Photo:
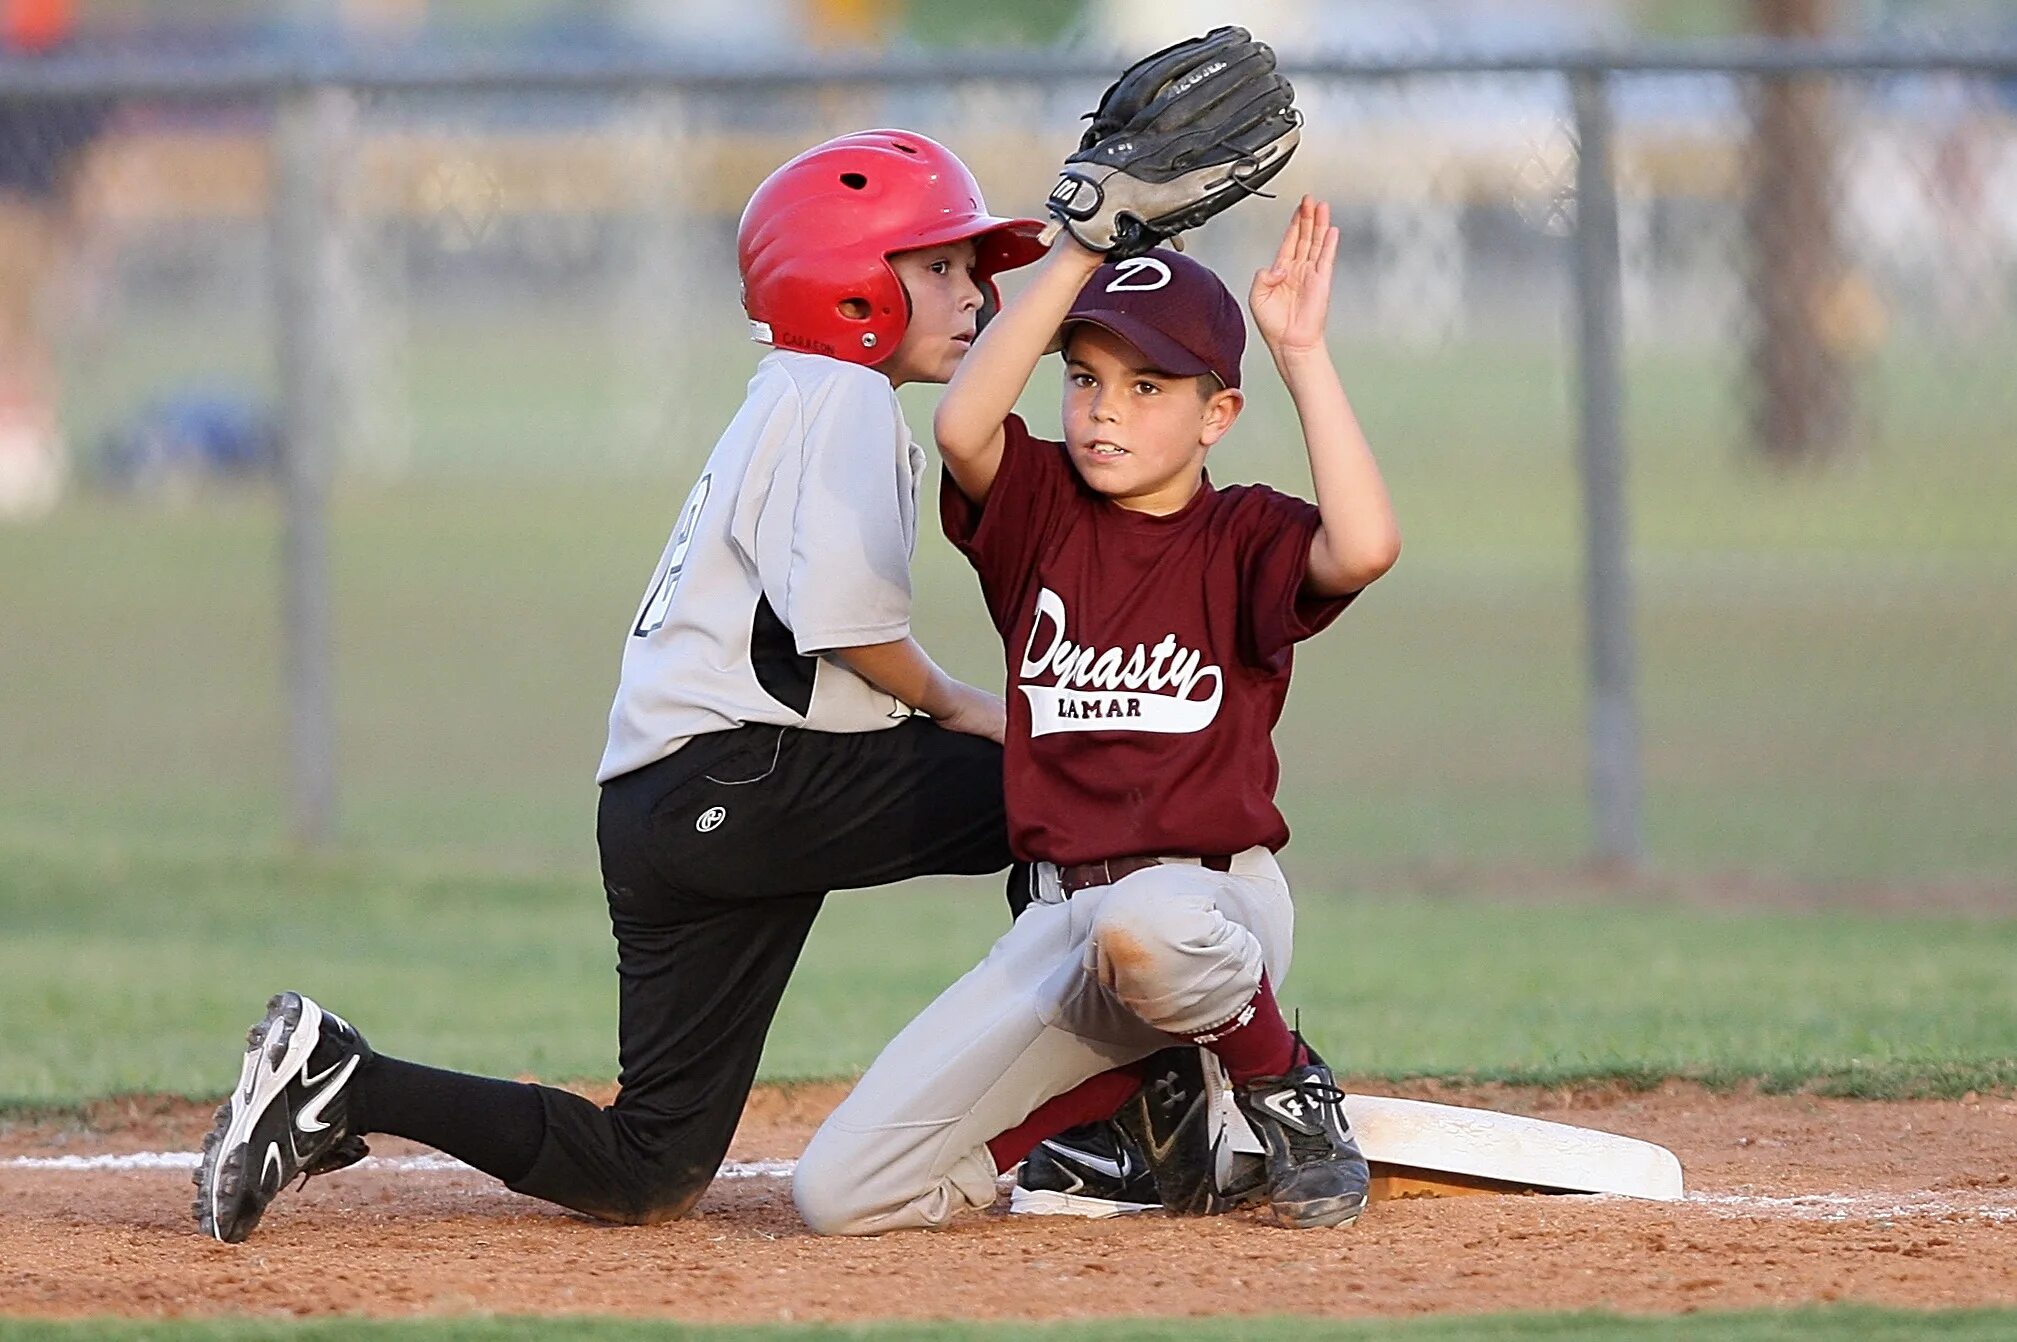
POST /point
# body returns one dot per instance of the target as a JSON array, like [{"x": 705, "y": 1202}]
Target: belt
[{"x": 1088, "y": 874}]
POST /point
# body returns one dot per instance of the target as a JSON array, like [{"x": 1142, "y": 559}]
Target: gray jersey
[{"x": 796, "y": 540}]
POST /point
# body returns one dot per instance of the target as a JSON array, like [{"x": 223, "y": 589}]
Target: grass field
[
  {"x": 1875, "y": 1325},
  {"x": 161, "y": 962},
  {"x": 1843, "y": 720},
  {"x": 1825, "y": 659}
]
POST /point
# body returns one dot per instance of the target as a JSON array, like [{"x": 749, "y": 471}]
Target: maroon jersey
[{"x": 1148, "y": 657}]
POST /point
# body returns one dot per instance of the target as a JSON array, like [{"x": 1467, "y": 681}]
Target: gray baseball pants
[{"x": 1077, "y": 986}]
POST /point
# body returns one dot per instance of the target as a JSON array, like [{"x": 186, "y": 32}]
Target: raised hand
[{"x": 1292, "y": 297}]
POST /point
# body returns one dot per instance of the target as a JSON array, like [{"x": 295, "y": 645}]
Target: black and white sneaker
[
  {"x": 1316, "y": 1175},
  {"x": 1092, "y": 1171},
  {"x": 289, "y": 1116}
]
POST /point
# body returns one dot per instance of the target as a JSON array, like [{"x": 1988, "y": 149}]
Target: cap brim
[{"x": 1164, "y": 355}]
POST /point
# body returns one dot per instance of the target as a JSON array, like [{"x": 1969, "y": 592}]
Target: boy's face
[
  {"x": 1136, "y": 434},
  {"x": 945, "y": 302}
]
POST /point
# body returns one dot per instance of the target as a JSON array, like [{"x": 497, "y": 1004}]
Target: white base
[{"x": 1528, "y": 1151}]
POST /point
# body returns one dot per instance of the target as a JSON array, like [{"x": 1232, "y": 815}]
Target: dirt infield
[{"x": 1793, "y": 1200}]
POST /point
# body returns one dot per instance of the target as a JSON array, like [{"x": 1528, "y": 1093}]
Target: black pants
[{"x": 715, "y": 861}]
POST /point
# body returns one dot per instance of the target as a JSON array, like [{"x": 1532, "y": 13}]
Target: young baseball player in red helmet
[
  {"x": 777, "y": 732},
  {"x": 1149, "y": 618}
]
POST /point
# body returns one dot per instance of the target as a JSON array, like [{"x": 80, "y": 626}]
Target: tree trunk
[{"x": 1800, "y": 375}]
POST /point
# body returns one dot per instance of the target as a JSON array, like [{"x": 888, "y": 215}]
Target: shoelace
[
  {"x": 1309, "y": 1088},
  {"x": 1252, "y": 164},
  {"x": 1318, "y": 1093}
]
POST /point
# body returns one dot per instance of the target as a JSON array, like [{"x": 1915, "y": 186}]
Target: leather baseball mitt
[{"x": 1180, "y": 136}]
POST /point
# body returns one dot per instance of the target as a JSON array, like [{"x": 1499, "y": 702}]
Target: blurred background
[{"x": 498, "y": 322}]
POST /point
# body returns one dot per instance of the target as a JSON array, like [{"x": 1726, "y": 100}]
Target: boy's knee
[
  {"x": 1175, "y": 962},
  {"x": 617, "y": 1167},
  {"x": 643, "y": 1200},
  {"x": 854, "y": 1183},
  {"x": 1129, "y": 944},
  {"x": 827, "y": 1188},
  {"x": 668, "y": 1195}
]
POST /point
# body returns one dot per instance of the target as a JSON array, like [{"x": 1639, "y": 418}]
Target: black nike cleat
[
  {"x": 1092, "y": 1171},
  {"x": 1316, "y": 1175},
  {"x": 289, "y": 1116}
]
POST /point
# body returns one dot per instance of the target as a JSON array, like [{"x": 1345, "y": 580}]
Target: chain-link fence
[{"x": 482, "y": 325}]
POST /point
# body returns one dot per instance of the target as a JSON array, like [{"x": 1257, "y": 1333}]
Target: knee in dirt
[
  {"x": 668, "y": 1204},
  {"x": 827, "y": 1186},
  {"x": 659, "y": 1196}
]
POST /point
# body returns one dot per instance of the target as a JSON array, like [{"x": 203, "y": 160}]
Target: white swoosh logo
[
  {"x": 271, "y": 1163},
  {"x": 1113, "y": 1169},
  {"x": 317, "y": 1078},
  {"x": 309, "y": 1120}
]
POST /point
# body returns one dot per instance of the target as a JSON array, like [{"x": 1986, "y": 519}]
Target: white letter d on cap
[{"x": 1137, "y": 275}]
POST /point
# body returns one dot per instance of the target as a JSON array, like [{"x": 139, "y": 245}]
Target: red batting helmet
[{"x": 820, "y": 230}]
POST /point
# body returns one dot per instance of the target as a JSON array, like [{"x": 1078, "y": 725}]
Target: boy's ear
[{"x": 1221, "y": 409}]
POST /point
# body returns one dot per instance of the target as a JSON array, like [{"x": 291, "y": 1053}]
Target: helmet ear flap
[
  {"x": 902, "y": 291},
  {"x": 990, "y": 305},
  {"x": 889, "y": 315}
]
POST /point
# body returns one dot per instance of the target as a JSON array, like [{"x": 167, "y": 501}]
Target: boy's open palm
[{"x": 1292, "y": 297}]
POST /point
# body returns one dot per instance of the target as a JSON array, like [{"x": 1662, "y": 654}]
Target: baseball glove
[{"x": 1180, "y": 136}]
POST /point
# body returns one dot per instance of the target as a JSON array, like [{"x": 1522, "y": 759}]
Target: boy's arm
[
  {"x": 903, "y": 670},
  {"x": 968, "y": 423},
  {"x": 831, "y": 545},
  {"x": 1358, "y": 539}
]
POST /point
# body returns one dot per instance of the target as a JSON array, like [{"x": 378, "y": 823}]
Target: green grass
[
  {"x": 1825, "y": 658},
  {"x": 125, "y": 971},
  {"x": 1844, "y": 721},
  {"x": 1878, "y": 1325}
]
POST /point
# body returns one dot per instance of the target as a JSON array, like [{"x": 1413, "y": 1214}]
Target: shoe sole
[
  {"x": 1049, "y": 1202},
  {"x": 1318, "y": 1213},
  {"x": 276, "y": 1049}
]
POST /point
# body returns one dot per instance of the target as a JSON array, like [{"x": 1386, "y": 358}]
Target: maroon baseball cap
[{"x": 1175, "y": 311}]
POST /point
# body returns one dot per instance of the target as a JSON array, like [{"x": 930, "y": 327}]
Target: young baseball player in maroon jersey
[
  {"x": 777, "y": 733},
  {"x": 1148, "y": 618}
]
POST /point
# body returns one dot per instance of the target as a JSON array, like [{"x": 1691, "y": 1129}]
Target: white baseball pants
[{"x": 1075, "y": 987}]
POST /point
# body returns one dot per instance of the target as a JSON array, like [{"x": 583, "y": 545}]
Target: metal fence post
[
  {"x": 307, "y": 261},
  {"x": 1615, "y": 784}
]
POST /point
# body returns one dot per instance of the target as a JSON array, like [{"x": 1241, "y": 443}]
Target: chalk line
[
  {"x": 1976, "y": 1204},
  {"x": 188, "y": 1160}
]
